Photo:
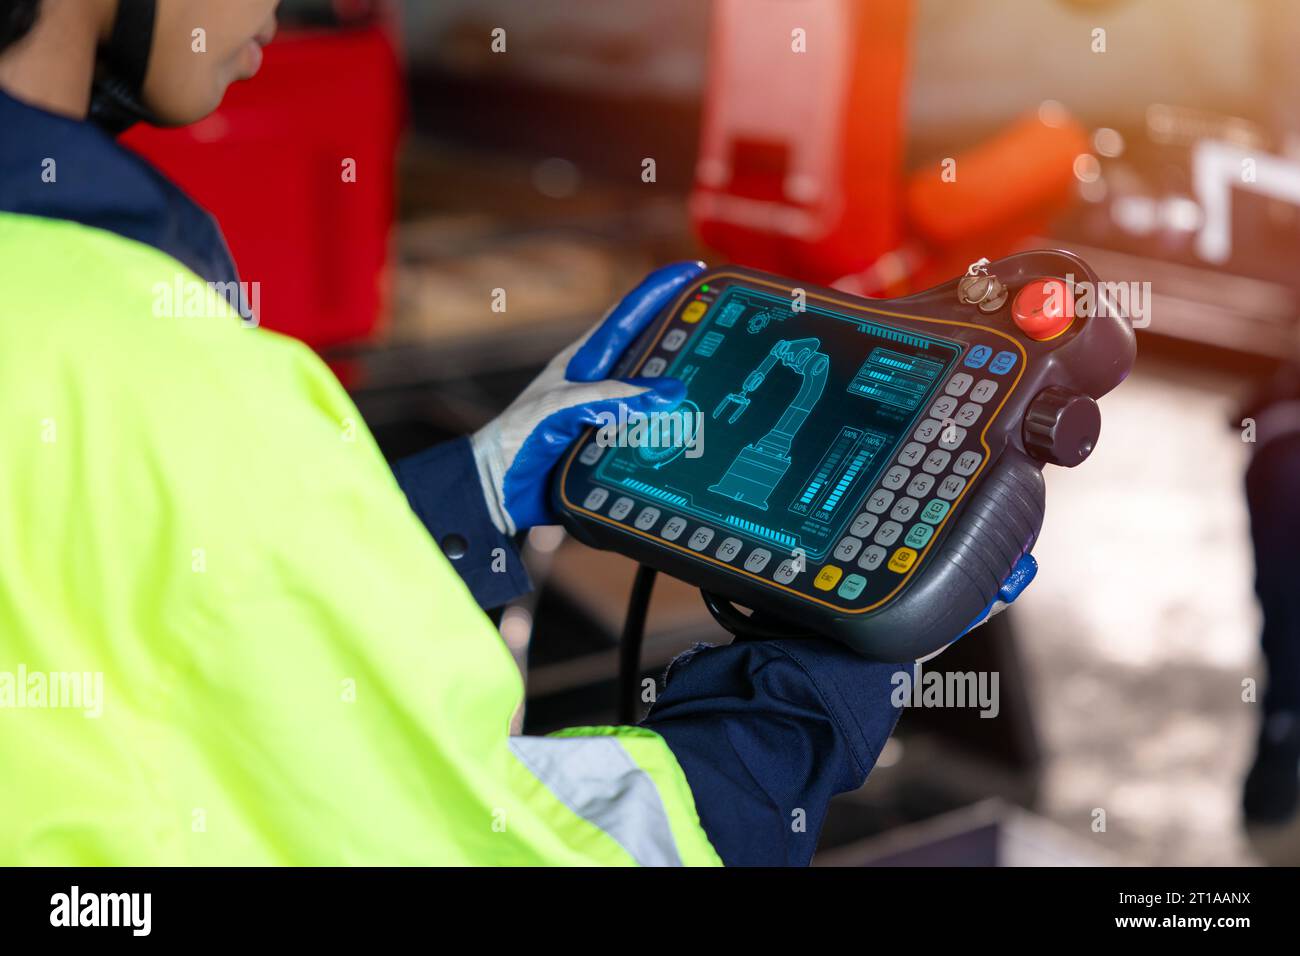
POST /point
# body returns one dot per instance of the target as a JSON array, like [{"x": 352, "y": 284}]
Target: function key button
[
  {"x": 872, "y": 557},
  {"x": 729, "y": 549},
  {"x": 919, "y": 536},
  {"x": 895, "y": 478},
  {"x": 967, "y": 462},
  {"x": 848, "y": 548},
  {"x": 977, "y": 356},
  {"x": 934, "y": 512},
  {"x": 888, "y": 533},
  {"x": 958, "y": 384},
  {"x": 595, "y": 498},
  {"x": 786, "y": 572},
  {"x": 852, "y": 587},
  {"x": 903, "y": 559},
  {"x": 647, "y": 518},
  {"x": 673, "y": 340},
  {"x": 694, "y": 312},
  {"x": 968, "y": 414},
  {"x": 1002, "y": 363},
  {"x": 621, "y": 508},
  {"x": 880, "y": 501},
  {"x": 757, "y": 560},
  {"x": 985, "y": 390},
  {"x": 937, "y": 461},
  {"x": 591, "y": 454},
  {"x": 654, "y": 368},
  {"x": 920, "y": 486},
  {"x": 927, "y": 430},
  {"x": 905, "y": 508},
  {"x": 700, "y": 539},
  {"x": 951, "y": 487},
  {"x": 943, "y": 407},
  {"x": 952, "y": 437},
  {"x": 863, "y": 524},
  {"x": 673, "y": 528},
  {"x": 911, "y": 454},
  {"x": 827, "y": 577}
]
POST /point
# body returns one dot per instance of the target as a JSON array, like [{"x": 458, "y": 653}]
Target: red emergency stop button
[{"x": 1043, "y": 309}]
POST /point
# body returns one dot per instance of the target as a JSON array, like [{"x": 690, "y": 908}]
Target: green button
[
  {"x": 919, "y": 536},
  {"x": 934, "y": 511},
  {"x": 852, "y": 586}
]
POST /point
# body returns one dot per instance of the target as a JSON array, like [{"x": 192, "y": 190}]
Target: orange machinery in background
[{"x": 801, "y": 165}]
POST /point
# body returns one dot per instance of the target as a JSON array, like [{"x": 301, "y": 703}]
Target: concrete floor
[{"x": 1142, "y": 626}]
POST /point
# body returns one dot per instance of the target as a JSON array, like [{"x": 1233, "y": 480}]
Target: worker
[{"x": 282, "y": 634}]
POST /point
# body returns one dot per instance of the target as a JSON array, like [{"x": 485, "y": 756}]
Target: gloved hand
[
  {"x": 516, "y": 451},
  {"x": 1019, "y": 578}
]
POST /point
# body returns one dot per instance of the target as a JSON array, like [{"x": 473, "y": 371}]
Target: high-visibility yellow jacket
[{"x": 224, "y": 636}]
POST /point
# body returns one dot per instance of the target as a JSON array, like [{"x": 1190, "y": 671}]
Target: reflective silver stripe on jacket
[{"x": 599, "y": 781}]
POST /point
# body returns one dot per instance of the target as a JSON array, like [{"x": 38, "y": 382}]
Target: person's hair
[{"x": 16, "y": 18}]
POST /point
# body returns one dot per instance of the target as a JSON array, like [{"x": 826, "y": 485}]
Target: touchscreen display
[{"x": 791, "y": 416}]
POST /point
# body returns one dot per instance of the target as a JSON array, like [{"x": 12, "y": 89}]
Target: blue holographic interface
[{"x": 789, "y": 418}]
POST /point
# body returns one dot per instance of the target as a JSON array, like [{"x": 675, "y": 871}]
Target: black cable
[
  {"x": 748, "y": 628},
  {"x": 629, "y": 649}
]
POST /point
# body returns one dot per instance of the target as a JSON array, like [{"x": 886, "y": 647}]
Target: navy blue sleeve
[
  {"x": 442, "y": 485},
  {"x": 767, "y": 732}
]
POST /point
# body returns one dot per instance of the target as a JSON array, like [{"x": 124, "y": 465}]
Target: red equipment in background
[
  {"x": 801, "y": 155},
  {"x": 273, "y": 163}
]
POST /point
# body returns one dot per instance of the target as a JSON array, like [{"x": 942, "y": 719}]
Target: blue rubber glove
[
  {"x": 516, "y": 451},
  {"x": 1022, "y": 573}
]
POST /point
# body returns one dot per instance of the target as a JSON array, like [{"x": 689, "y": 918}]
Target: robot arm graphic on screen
[{"x": 760, "y": 466}]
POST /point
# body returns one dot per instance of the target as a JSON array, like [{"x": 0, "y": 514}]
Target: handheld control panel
[{"x": 865, "y": 469}]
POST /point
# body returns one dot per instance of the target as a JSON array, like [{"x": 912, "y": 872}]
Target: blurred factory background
[{"x": 478, "y": 168}]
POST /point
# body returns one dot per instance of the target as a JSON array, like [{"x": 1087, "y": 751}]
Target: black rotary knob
[{"x": 1062, "y": 426}]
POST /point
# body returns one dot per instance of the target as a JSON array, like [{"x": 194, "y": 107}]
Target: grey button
[
  {"x": 591, "y": 454},
  {"x": 729, "y": 549},
  {"x": 920, "y": 486},
  {"x": 937, "y": 461},
  {"x": 912, "y": 453},
  {"x": 872, "y": 557},
  {"x": 647, "y": 518},
  {"x": 785, "y": 572},
  {"x": 863, "y": 524},
  {"x": 888, "y": 533},
  {"x": 654, "y": 368},
  {"x": 951, "y": 487},
  {"x": 621, "y": 508},
  {"x": 985, "y": 390},
  {"x": 943, "y": 407},
  {"x": 968, "y": 414},
  {"x": 673, "y": 340},
  {"x": 905, "y": 508},
  {"x": 673, "y": 528},
  {"x": 927, "y": 430},
  {"x": 880, "y": 501},
  {"x": 958, "y": 384},
  {"x": 952, "y": 437},
  {"x": 700, "y": 539},
  {"x": 967, "y": 462},
  {"x": 595, "y": 498},
  {"x": 757, "y": 560},
  {"x": 848, "y": 548},
  {"x": 895, "y": 478}
]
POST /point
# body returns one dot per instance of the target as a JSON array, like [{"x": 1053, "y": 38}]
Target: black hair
[{"x": 16, "y": 19}]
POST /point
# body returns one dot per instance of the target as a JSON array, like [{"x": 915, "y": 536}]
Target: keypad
[
  {"x": 880, "y": 501},
  {"x": 864, "y": 524},
  {"x": 985, "y": 390},
  {"x": 911, "y": 454},
  {"x": 904, "y": 509},
  {"x": 848, "y": 548},
  {"x": 621, "y": 508},
  {"x": 591, "y": 454},
  {"x": 595, "y": 499},
  {"x": 888, "y": 533},
  {"x": 757, "y": 560},
  {"x": 968, "y": 414},
  {"x": 920, "y": 486},
  {"x": 647, "y": 518},
  {"x": 872, "y": 557},
  {"x": 928, "y": 430},
  {"x": 895, "y": 478},
  {"x": 959, "y": 384}
]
